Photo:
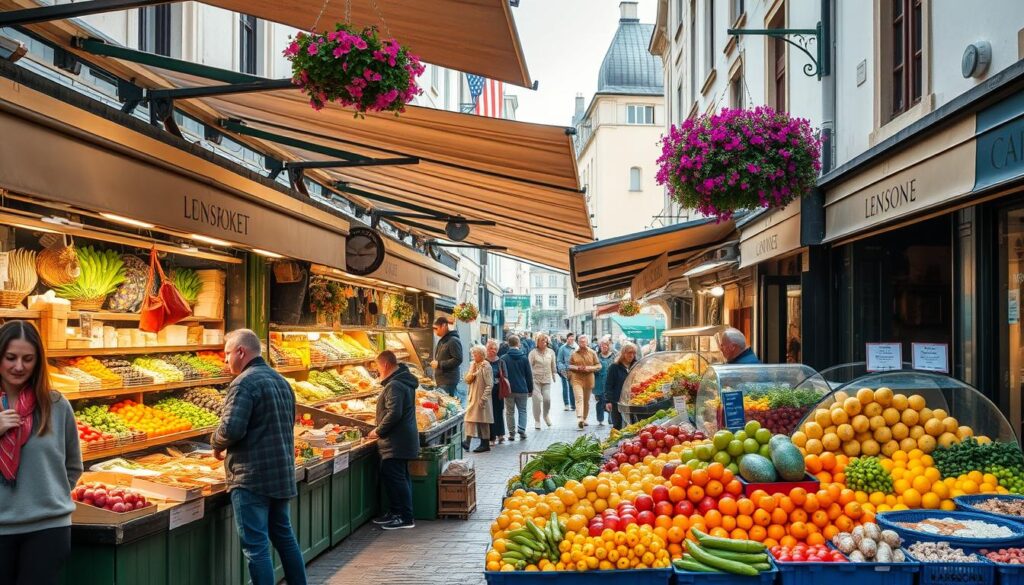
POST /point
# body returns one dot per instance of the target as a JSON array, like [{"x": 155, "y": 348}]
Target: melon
[
  {"x": 757, "y": 469},
  {"x": 789, "y": 462}
]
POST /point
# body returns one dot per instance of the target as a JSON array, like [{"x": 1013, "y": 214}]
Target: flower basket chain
[{"x": 466, "y": 312}]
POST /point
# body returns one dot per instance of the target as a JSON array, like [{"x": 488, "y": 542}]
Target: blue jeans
[
  {"x": 600, "y": 407},
  {"x": 394, "y": 475},
  {"x": 516, "y": 403},
  {"x": 258, "y": 517},
  {"x": 568, "y": 397}
]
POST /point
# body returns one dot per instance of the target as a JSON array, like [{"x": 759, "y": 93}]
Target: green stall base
[{"x": 424, "y": 471}]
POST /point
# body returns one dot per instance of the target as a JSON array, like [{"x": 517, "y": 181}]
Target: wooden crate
[{"x": 456, "y": 496}]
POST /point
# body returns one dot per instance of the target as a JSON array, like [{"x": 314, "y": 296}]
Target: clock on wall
[{"x": 364, "y": 251}]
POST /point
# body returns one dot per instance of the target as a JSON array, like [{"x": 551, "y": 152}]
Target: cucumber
[
  {"x": 527, "y": 542},
  {"x": 749, "y": 558},
  {"x": 556, "y": 528},
  {"x": 537, "y": 534},
  {"x": 740, "y": 546},
  {"x": 693, "y": 566},
  {"x": 513, "y": 556},
  {"x": 719, "y": 563},
  {"x": 762, "y": 567}
]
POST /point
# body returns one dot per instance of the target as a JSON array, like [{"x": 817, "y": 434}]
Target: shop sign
[
  {"x": 935, "y": 172},
  {"x": 653, "y": 276},
  {"x": 771, "y": 236},
  {"x": 407, "y": 267},
  {"x": 341, "y": 462},
  {"x": 884, "y": 356},
  {"x": 1000, "y": 151},
  {"x": 930, "y": 357}
]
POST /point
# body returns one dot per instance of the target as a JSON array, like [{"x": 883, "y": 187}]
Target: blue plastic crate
[
  {"x": 1007, "y": 574},
  {"x": 966, "y": 503},
  {"x": 847, "y": 573},
  {"x": 616, "y": 577},
  {"x": 983, "y": 573},
  {"x": 888, "y": 520},
  {"x": 765, "y": 578}
]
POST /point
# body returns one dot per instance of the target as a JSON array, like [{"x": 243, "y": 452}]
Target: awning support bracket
[
  {"x": 99, "y": 47},
  {"x": 240, "y": 127},
  {"x": 129, "y": 93},
  {"x": 435, "y": 217},
  {"x": 819, "y": 64},
  {"x": 72, "y": 10},
  {"x": 184, "y": 93},
  {"x": 162, "y": 110},
  {"x": 276, "y": 166}
]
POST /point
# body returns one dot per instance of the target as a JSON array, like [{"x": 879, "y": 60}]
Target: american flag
[{"x": 488, "y": 96}]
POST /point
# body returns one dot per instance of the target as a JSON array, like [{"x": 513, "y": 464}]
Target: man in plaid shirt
[{"x": 256, "y": 431}]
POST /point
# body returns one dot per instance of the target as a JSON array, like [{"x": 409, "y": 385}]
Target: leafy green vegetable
[{"x": 187, "y": 282}]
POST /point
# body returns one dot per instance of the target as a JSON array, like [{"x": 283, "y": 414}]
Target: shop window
[
  {"x": 538, "y": 301},
  {"x": 902, "y": 54},
  {"x": 1011, "y": 261},
  {"x": 693, "y": 51},
  {"x": 639, "y": 114},
  {"x": 155, "y": 29},
  {"x": 736, "y": 96},
  {"x": 553, "y": 280},
  {"x": 538, "y": 280},
  {"x": 634, "y": 179},
  {"x": 709, "y": 36},
  {"x": 553, "y": 301},
  {"x": 777, "y": 61},
  {"x": 680, "y": 110},
  {"x": 247, "y": 44}
]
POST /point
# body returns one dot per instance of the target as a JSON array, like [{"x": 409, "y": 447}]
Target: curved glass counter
[
  {"x": 655, "y": 379},
  {"x": 776, "y": 395}
]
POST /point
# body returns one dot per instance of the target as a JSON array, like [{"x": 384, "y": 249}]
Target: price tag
[
  {"x": 186, "y": 513},
  {"x": 679, "y": 403},
  {"x": 884, "y": 356},
  {"x": 931, "y": 357},
  {"x": 666, "y": 389},
  {"x": 732, "y": 409},
  {"x": 341, "y": 462},
  {"x": 85, "y": 324},
  {"x": 1013, "y": 306}
]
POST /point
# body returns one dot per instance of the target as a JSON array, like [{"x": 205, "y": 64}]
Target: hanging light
[
  {"x": 126, "y": 220},
  {"x": 717, "y": 290},
  {"x": 209, "y": 240}
]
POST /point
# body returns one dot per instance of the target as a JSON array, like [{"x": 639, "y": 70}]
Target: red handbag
[
  {"x": 504, "y": 388},
  {"x": 167, "y": 307}
]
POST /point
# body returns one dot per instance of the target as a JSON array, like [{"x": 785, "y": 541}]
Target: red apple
[
  {"x": 684, "y": 508},
  {"x": 707, "y": 503},
  {"x": 669, "y": 469},
  {"x": 646, "y": 517},
  {"x": 625, "y": 520},
  {"x": 664, "y": 509},
  {"x": 644, "y": 503},
  {"x": 612, "y": 522},
  {"x": 659, "y": 493}
]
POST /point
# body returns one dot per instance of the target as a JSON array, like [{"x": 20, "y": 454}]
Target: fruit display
[
  {"x": 129, "y": 374},
  {"x": 216, "y": 358},
  {"x": 659, "y": 379},
  {"x": 866, "y": 474},
  {"x": 307, "y": 392},
  {"x": 173, "y": 466},
  {"x": 108, "y": 497},
  {"x": 653, "y": 440},
  {"x": 333, "y": 381},
  {"x": 91, "y": 436},
  {"x": 283, "y": 357},
  {"x": 868, "y": 543},
  {"x": 207, "y": 368},
  {"x": 100, "y": 274},
  {"x": 352, "y": 406},
  {"x": 751, "y": 452},
  {"x": 1003, "y": 460},
  {"x": 101, "y": 419},
  {"x": 71, "y": 379},
  {"x": 561, "y": 462},
  {"x": 205, "y": 397},
  {"x": 629, "y": 431},
  {"x": 802, "y": 553},
  {"x": 149, "y": 420},
  {"x": 710, "y": 554},
  {"x": 199, "y": 418},
  {"x": 181, "y": 363},
  {"x": 96, "y": 369},
  {"x": 161, "y": 371},
  {"x": 779, "y": 409}
]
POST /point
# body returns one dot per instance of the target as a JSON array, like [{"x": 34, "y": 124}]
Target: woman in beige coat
[
  {"x": 583, "y": 363},
  {"x": 479, "y": 413}
]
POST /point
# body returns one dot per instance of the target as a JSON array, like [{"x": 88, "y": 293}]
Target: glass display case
[
  {"x": 842, "y": 374},
  {"x": 777, "y": 395},
  {"x": 698, "y": 340},
  {"x": 655, "y": 379},
  {"x": 943, "y": 408}
]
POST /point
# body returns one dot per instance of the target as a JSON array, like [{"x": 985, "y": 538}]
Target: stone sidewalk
[{"x": 442, "y": 551}]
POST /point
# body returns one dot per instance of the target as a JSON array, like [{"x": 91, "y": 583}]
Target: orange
[
  {"x": 798, "y": 495},
  {"x": 770, "y": 542},
  {"x": 727, "y": 506},
  {"x": 727, "y": 476},
  {"x": 699, "y": 477},
  {"x": 830, "y": 532},
  {"x": 820, "y": 519},
  {"x": 853, "y": 510},
  {"x": 684, "y": 473},
  {"x": 676, "y": 534},
  {"x": 787, "y": 541},
  {"x": 719, "y": 532},
  {"x": 729, "y": 522},
  {"x": 834, "y": 511},
  {"x": 816, "y": 538},
  {"x": 758, "y": 533},
  {"x": 745, "y": 522},
  {"x": 776, "y": 531},
  {"x": 824, "y": 498},
  {"x": 766, "y": 503},
  {"x": 813, "y": 463},
  {"x": 779, "y": 516},
  {"x": 663, "y": 522},
  {"x": 762, "y": 517},
  {"x": 676, "y": 494},
  {"x": 811, "y": 504},
  {"x": 798, "y": 530},
  {"x": 715, "y": 470},
  {"x": 798, "y": 515},
  {"x": 745, "y": 506},
  {"x": 695, "y": 493},
  {"x": 824, "y": 477},
  {"x": 843, "y": 523},
  {"x": 681, "y": 522},
  {"x": 714, "y": 488},
  {"x": 786, "y": 503},
  {"x": 867, "y": 517},
  {"x": 734, "y": 487},
  {"x": 847, "y": 496},
  {"x": 828, "y": 461},
  {"x": 739, "y": 534},
  {"x": 713, "y": 518}
]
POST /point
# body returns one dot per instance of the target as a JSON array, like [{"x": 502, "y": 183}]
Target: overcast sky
[{"x": 564, "y": 42}]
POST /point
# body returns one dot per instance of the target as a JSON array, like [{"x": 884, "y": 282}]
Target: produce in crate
[
  {"x": 205, "y": 397},
  {"x": 1010, "y": 556},
  {"x": 941, "y": 552},
  {"x": 709, "y": 554},
  {"x": 629, "y": 431},
  {"x": 959, "y": 527},
  {"x": 653, "y": 440},
  {"x": 198, "y": 417},
  {"x": 573, "y": 461},
  {"x": 803, "y": 553},
  {"x": 114, "y": 498},
  {"x": 868, "y": 543},
  {"x": 151, "y": 421},
  {"x": 101, "y": 272},
  {"x": 87, "y": 434},
  {"x": 101, "y": 419}
]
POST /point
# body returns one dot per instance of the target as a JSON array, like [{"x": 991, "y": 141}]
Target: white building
[{"x": 548, "y": 300}]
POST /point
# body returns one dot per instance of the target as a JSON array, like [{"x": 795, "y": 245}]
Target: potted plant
[
  {"x": 355, "y": 68},
  {"x": 466, "y": 312},
  {"x": 628, "y": 307},
  {"x": 739, "y": 159}
]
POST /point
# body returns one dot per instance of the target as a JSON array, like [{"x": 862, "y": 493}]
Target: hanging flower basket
[
  {"x": 739, "y": 159},
  {"x": 354, "y": 68},
  {"x": 628, "y": 308},
  {"x": 466, "y": 312}
]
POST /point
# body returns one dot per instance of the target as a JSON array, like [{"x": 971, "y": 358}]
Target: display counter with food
[{"x": 653, "y": 382}]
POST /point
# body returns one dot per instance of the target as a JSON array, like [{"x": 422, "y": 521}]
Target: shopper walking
[
  {"x": 583, "y": 364},
  {"x": 479, "y": 414},
  {"x": 606, "y": 357},
  {"x": 256, "y": 433},
  {"x": 398, "y": 439},
  {"x": 40, "y": 462},
  {"x": 544, "y": 370},
  {"x": 447, "y": 359},
  {"x": 616, "y": 378},
  {"x": 517, "y": 369},
  {"x": 497, "y": 402},
  {"x": 527, "y": 342},
  {"x": 568, "y": 398}
]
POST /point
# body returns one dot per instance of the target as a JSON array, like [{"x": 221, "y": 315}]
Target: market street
[{"x": 441, "y": 552}]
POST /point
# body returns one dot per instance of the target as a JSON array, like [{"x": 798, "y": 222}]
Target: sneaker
[
  {"x": 580, "y": 424},
  {"x": 398, "y": 523},
  {"x": 385, "y": 519},
  {"x": 547, "y": 419},
  {"x": 512, "y": 437},
  {"x": 522, "y": 435},
  {"x": 567, "y": 409}
]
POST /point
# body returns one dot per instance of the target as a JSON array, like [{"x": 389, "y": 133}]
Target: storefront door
[
  {"x": 1011, "y": 275},
  {"x": 779, "y": 321}
]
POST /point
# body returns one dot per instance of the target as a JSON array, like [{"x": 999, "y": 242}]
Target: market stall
[{"x": 659, "y": 381}]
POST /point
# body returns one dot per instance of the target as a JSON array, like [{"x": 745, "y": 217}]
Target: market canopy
[
  {"x": 473, "y": 36},
  {"x": 640, "y": 326},
  {"x": 602, "y": 267}
]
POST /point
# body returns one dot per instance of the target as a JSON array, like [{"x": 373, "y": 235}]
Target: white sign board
[
  {"x": 884, "y": 356},
  {"x": 679, "y": 403},
  {"x": 341, "y": 462},
  {"x": 186, "y": 513},
  {"x": 931, "y": 357}
]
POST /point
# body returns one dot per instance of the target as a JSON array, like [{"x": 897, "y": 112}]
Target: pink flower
[
  {"x": 292, "y": 49},
  {"x": 340, "y": 51},
  {"x": 312, "y": 49},
  {"x": 359, "y": 43}
]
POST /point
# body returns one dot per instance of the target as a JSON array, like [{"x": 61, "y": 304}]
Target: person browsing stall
[
  {"x": 733, "y": 345},
  {"x": 398, "y": 439},
  {"x": 447, "y": 359}
]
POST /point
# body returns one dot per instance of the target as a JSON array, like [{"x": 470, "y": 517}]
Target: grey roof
[{"x": 628, "y": 67}]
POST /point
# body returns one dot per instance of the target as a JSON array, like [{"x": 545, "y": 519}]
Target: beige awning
[
  {"x": 473, "y": 36},
  {"x": 609, "y": 265}
]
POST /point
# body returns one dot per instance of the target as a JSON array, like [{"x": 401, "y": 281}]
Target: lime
[
  {"x": 751, "y": 446},
  {"x": 721, "y": 439},
  {"x": 735, "y": 448},
  {"x": 722, "y": 457},
  {"x": 741, "y": 436},
  {"x": 705, "y": 452},
  {"x": 694, "y": 464},
  {"x": 688, "y": 454},
  {"x": 763, "y": 436},
  {"x": 765, "y": 451},
  {"x": 734, "y": 468},
  {"x": 752, "y": 427}
]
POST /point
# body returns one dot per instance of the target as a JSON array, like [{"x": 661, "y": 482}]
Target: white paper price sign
[
  {"x": 186, "y": 513},
  {"x": 679, "y": 403},
  {"x": 884, "y": 356},
  {"x": 666, "y": 389},
  {"x": 931, "y": 357},
  {"x": 341, "y": 462}
]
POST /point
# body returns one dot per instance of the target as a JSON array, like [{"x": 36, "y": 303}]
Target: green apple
[
  {"x": 721, "y": 439},
  {"x": 734, "y": 468},
  {"x": 765, "y": 451},
  {"x": 705, "y": 452},
  {"x": 763, "y": 436},
  {"x": 740, "y": 436},
  {"x": 735, "y": 448},
  {"x": 722, "y": 457},
  {"x": 688, "y": 454},
  {"x": 752, "y": 427},
  {"x": 751, "y": 446}
]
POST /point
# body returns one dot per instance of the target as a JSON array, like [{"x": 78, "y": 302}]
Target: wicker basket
[
  {"x": 93, "y": 304},
  {"x": 58, "y": 265},
  {"x": 11, "y": 299}
]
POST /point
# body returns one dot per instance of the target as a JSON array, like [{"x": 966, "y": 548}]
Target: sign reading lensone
[{"x": 890, "y": 198}]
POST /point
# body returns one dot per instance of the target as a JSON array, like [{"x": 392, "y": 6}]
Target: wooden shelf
[
  {"x": 98, "y": 315},
  {"x": 350, "y": 362},
  {"x": 153, "y": 442},
  {"x": 18, "y": 314},
  {"x": 106, "y": 351},
  {"x": 149, "y": 388},
  {"x": 278, "y": 328}
]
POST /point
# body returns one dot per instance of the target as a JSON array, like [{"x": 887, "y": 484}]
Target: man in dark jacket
[
  {"x": 256, "y": 432},
  {"x": 734, "y": 347},
  {"x": 447, "y": 359},
  {"x": 397, "y": 437},
  {"x": 520, "y": 378}
]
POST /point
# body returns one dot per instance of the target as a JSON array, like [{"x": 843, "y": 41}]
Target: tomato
[
  {"x": 785, "y": 558},
  {"x": 799, "y": 557}
]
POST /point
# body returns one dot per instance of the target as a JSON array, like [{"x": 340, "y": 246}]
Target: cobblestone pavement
[{"x": 442, "y": 551}]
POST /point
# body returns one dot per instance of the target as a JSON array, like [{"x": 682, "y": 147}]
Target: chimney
[
  {"x": 627, "y": 12},
  {"x": 579, "y": 107}
]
